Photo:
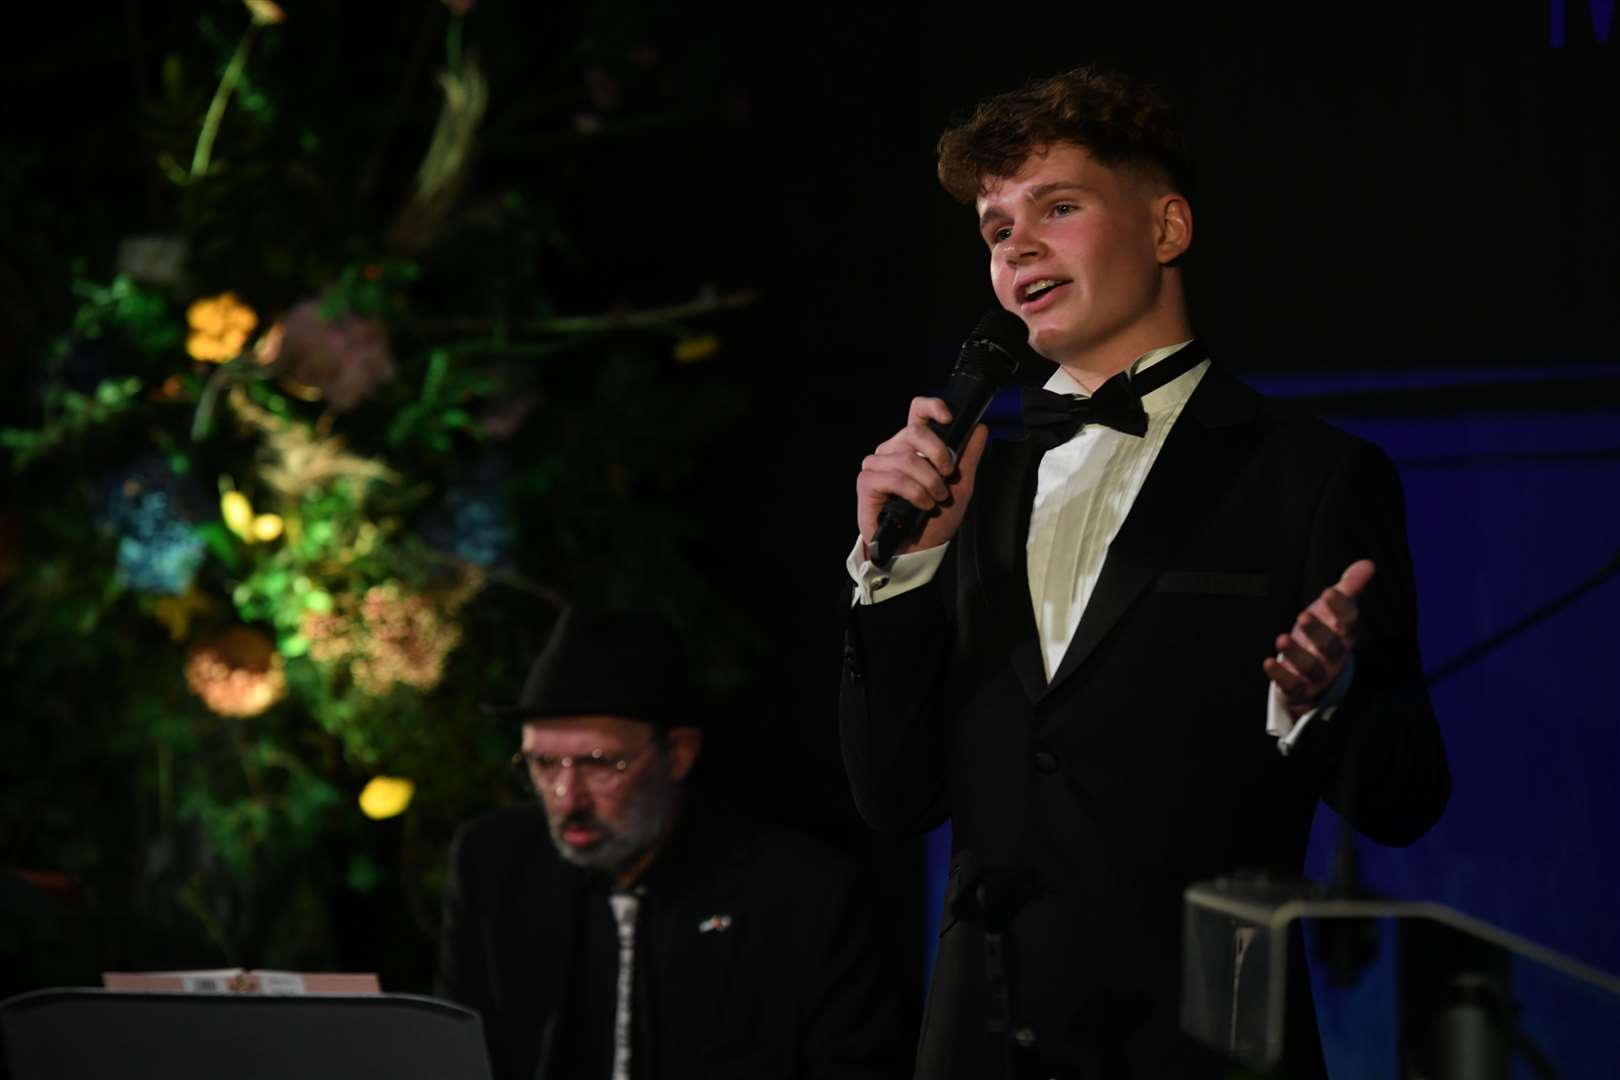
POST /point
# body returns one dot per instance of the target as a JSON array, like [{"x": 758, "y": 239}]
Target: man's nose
[
  {"x": 1023, "y": 244},
  {"x": 567, "y": 793}
]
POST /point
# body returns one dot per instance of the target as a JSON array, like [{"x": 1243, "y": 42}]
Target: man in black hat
[{"x": 621, "y": 929}]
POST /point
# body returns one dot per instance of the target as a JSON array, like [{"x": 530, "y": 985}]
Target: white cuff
[
  {"x": 1280, "y": 723},
  {"x": 873, "y": 584}
]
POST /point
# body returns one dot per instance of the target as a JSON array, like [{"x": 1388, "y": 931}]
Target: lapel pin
[{"x": 714, "y": 922}]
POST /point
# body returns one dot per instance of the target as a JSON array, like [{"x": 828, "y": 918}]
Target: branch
[
  {"x": 554, "y": 597},
  {"x": 216, "y": 108},
  {"x": 595, "y": 324}
]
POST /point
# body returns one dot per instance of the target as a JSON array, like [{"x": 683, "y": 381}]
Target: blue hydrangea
[
  {"x": 475, "y": 527},
  {"x": 472, "y": 520},
  {"x": 158, "y": 550}
]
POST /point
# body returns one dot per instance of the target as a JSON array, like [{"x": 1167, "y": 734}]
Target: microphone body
[{"x": 989, "y": 357}]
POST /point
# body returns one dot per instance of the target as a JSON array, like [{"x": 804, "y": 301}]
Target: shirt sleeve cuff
[
  {"x": 873, "y": 584},
  {"x": 1281, "y": 724}
]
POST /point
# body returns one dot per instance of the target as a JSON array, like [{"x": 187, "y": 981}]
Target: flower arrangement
[{"x": 288, "y": 491}]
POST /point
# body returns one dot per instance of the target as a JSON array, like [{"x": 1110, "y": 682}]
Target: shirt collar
[{"x": 1172, "y": 393}]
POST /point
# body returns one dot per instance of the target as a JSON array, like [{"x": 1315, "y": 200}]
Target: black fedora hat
[{"x": 622, "y": 663}]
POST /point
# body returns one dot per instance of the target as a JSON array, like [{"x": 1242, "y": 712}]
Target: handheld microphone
[{"x": 989, "y": 357}]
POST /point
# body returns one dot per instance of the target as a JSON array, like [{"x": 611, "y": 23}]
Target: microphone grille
[
  {"x": 994, "y": 349},
  {"x": 1003, "y": 329}
]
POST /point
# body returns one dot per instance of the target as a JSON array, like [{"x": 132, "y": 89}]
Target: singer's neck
[{"x": 1095, "y": 365}]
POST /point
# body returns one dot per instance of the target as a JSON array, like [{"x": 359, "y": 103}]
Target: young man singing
[{"x": 1131, "y": 650}]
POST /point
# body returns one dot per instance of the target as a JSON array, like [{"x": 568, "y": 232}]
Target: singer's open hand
[
  {"x": 1310, "y": 657},
  {"x": 916, "y": 465}
]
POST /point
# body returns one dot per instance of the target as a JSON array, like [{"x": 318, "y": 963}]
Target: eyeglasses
[{"x": 598, "y": 770}]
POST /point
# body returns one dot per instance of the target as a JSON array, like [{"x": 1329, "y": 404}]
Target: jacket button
[{"x": 1046, "y": 761}]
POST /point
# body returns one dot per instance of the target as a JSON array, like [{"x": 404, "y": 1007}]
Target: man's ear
[
  {"x": 1173, "y": 227},
  {"x": 682, "y": 744}
]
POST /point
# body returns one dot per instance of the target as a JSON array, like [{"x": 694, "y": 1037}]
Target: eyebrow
[{"x": 1040, "y": 191}]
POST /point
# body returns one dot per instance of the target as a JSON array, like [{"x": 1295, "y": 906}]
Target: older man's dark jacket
[
  {"x": 769, "y": 962},
  {"x": 1142, "y": 765}
]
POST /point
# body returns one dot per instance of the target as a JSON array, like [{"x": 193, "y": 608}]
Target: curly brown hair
[{"x": 1120, "y": 121}]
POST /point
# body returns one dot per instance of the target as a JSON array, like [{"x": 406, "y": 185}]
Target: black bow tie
[{"x": 1053, "y": 419}]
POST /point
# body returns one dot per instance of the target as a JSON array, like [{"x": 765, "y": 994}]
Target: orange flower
[
  {"x": 238, "y": 673},
  {"x": 220, "y": 326}
]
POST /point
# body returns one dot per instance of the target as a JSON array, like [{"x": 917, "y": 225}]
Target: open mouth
[{"x": 1037, "y": 290}]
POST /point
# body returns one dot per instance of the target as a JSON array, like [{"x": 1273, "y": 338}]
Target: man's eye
[
  {"x": 1064, "y": 209},
  {"x": 1000, "y": 234}
]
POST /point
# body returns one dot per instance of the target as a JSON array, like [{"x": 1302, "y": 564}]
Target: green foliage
[
  {"x": 143, "y": 316},
  {"x": 302, "y": 485},
  {"x": 70, "y": 415}
]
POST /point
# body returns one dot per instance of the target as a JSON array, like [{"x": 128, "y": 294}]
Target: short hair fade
[{"x": 1120, "y": 121}]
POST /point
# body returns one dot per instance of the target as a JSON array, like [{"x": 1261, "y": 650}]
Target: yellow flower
[
  {"x": 692, "y": 349},
  {"x": 220, "y": 326},
  {"x": 175, "y": 612},
  {"x": 267, "y": 526},
  {"x": 386, "y": 797},
  {"x": 239, "y": 517},
  {"x": 238, "y": 513}
]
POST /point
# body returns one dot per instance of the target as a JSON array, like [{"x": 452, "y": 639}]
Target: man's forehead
[
  {"x": 586, "y": 730},
  {"x": 1046, "y": 167}
]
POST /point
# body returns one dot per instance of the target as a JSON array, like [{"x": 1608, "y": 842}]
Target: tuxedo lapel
[
  {"x": 999, "y": 538},
  {"x": 1203, "y": 451}
]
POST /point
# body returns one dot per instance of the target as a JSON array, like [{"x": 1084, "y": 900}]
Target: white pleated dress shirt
[{"x": 1083, "y": 492}]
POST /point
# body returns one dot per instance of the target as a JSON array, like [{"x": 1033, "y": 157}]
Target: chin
[
  {"x": 1050, "y": 342},
  {"x": 600, "y": 855}
]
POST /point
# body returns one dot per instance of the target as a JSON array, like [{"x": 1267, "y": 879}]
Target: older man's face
[{"x": 610, "y": 785}]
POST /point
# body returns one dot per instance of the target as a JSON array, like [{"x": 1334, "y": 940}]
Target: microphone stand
[{"x": 990, "y": 904}]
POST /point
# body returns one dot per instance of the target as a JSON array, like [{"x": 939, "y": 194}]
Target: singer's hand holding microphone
[
  {"x": 915, "y": 465},
  {"x": 914, "y": 488}
]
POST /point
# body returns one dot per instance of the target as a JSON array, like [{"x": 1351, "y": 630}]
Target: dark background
[{"x": 1398, "y": 209}]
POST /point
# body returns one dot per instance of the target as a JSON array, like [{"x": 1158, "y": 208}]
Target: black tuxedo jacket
[
  {"x": 1143, "y": 765},
  {"x": 794, "y": 985}
]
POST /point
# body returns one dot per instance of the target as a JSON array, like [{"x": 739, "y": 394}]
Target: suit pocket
[{"x": 1203, "y": 583}]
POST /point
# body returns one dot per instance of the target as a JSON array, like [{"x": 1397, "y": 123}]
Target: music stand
[{"x": 85, "y": 1034}]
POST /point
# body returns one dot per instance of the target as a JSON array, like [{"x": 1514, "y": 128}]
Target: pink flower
[{"x": 346, "y": 359}]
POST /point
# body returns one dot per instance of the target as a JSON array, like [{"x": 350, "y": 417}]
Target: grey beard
[{"x": 649, "y": 812}]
